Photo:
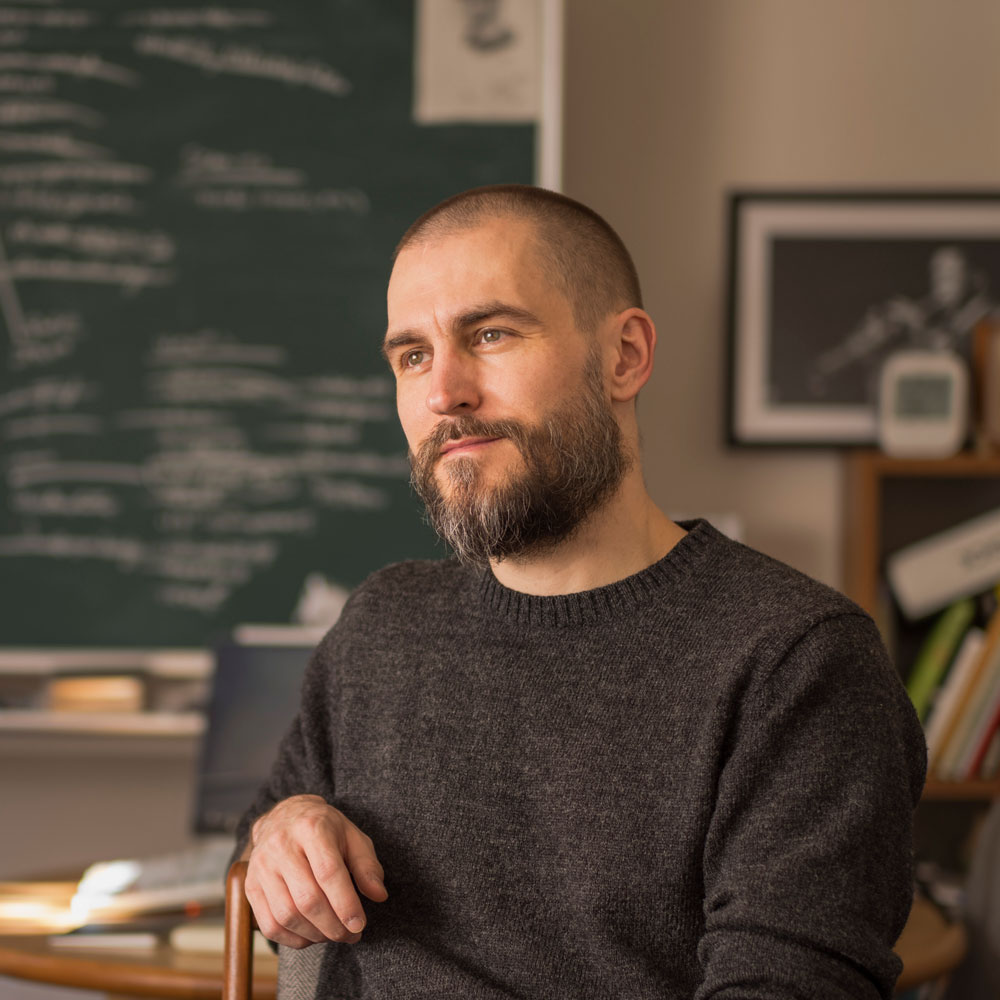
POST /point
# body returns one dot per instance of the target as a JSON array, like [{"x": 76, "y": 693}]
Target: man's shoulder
[{"x": 758, "y": 588}]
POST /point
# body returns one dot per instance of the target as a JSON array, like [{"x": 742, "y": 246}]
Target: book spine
[
  {"x": 968, "y": 703},
  {"x": 945, "y": 706},
  {"x": 937, "y": 653}
]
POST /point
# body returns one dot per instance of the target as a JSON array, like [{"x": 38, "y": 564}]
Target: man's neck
[{"x": 625, "y": 536}]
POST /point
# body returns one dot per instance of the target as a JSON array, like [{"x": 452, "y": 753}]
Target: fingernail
[{"x": 355, "y": 924}]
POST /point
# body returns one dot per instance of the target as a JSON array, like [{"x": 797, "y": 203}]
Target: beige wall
[{"x": 670, "y": 103}]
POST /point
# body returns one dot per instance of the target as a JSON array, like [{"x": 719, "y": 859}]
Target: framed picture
[{"x": 824, "y": 286}]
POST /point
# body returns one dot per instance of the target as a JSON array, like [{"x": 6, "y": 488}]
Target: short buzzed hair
[{"x": 581, "y": 254}]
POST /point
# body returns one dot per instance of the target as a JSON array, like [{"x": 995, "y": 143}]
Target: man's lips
[{"x": 466, "y": 443}]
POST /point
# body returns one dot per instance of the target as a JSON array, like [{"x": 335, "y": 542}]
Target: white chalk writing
[
  {"x": 245, "y": 61},
  {"x": 70, "y": 204},
  {"x": 206, "y": 17},
  {"x": 56, "y": 173},
  {"x": 131, "y": 276},
  {"x": 89, "y": 65},
  {"x": 81, "y": 503},
  {"x": 212, "y": 347},
  {"x": 50, "y": 143},
  {"x": 100, "y": 241},
  {"x": 18, "y": 112},
  {"x": 48, "y": 393},
  {"x": 45, "y": 425}
]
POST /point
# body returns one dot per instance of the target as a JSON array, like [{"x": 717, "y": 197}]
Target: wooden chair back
[{"x": 237, "y": 971}]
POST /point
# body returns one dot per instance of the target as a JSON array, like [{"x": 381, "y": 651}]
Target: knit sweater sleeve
[{"x": 808, "y": 860}]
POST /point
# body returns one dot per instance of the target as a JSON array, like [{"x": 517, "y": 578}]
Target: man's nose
[{"x": 453, "y": 385}]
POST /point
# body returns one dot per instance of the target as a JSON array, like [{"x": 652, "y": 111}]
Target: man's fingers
[
  {"x": 334, "y": 879},
  {"x": 273, "y": 926},
  {"x": 364, "y": 866}
]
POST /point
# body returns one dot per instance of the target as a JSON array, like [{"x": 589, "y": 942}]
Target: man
[{"x": 599, "y": 754}]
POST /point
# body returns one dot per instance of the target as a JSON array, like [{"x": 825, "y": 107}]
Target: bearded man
[{"x": 596, "y": 753}]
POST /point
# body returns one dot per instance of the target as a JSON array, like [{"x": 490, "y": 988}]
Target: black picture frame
[{"x": 823, "y": 285}]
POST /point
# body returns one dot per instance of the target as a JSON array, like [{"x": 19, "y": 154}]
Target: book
[
  {"x": 983, "y": 738},
  {"x": 972, "y": 741},
  {"x": 942, "y": 716},
  {"x": 991, "y": 762},
  {"x": 209, "y": 937},
  {"x": 938, "y": 652},
  {"x": 936, "y": 571},
  {"x": 96, "y": 693},
  {"x": 968, "y": 702}
]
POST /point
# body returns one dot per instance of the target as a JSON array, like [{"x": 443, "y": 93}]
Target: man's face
[{"x": 501, "y": 397}]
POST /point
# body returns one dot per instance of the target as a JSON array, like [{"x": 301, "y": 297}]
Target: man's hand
[{"x": 303, "y": 854}]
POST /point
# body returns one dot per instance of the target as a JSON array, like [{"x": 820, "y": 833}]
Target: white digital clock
[{"x": 923, "y": 404}]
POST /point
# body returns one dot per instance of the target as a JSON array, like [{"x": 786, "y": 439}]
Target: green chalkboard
[{"x": 197, "y": 210}]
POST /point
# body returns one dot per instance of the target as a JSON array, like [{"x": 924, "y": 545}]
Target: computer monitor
[{"x": 254, "y": 697}]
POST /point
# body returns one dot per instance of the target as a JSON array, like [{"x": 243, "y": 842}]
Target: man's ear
[{"x": 634, "y": 342}]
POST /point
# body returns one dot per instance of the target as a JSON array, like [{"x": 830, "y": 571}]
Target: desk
[
  {"x": 929, "y": 947},
  {"x": 160, "y": 973}
]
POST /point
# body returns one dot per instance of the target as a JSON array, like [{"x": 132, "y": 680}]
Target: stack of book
[
  {"x": 955, "y": 687},
  {"x": 954, "y": 682}
]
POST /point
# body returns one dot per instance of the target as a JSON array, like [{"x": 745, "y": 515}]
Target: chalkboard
[{"x": 197, "y": 210}]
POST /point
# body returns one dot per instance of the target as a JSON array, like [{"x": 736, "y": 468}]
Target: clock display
[{"x": 923, "y": 396}]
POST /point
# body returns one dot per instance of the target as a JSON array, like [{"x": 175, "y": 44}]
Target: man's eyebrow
[{"x": 477, "y": 314}]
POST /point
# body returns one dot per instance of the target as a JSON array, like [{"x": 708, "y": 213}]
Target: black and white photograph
[{"x": 825, "y": 287}]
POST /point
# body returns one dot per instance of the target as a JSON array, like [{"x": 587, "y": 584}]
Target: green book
[{"x": 937, "y": 652}]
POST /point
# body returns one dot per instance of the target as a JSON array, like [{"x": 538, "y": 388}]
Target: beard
[{"x": 574, "y": 461}]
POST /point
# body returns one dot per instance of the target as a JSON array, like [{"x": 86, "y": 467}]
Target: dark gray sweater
[{"x": 695, "y": 782}]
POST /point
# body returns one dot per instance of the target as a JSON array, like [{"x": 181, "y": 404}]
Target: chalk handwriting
[
  {"x": 48, "y": 394},
  {"x": 212, "y": 347},
  {"x": 71, "y": 204},
  {"x": 57, "y": 172},
  {"x": 21, "y": 112},
  {"x": 242, "y": 200},
  {"x": 46, "y": 18},
  {"x": 45, "y": 425},
  {"x": 28, "y": 473},
  {"x": 50, "y": 143},
  {"x": 18, "y": 83},
  {"x": 314, "y": 433},
  {"x": 129, "y": 276},
  {"x": 90, "y": 65},
  {"x": 345, "y": 385},
  {"x": 348, "y": 493},
  {"x": 243, "y": 60},
  {"x": 168, "y": 418},
  {"x": 126, "y": 552},
  {"x": 62, "y": 503},
  {"x": 203, "y": 599},
  {"x": 155, "y": 246},
  {"x": 209, "y": 166},
  {"x": 223, "y": 18}
]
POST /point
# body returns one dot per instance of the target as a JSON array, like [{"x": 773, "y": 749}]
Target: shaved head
[{"x": 579, "y": 252}]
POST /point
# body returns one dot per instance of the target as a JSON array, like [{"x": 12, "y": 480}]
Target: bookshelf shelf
[{"x": 961, "y": 791}]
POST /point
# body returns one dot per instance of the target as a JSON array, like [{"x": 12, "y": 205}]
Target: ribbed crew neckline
[{"x": 602, "y": 603}]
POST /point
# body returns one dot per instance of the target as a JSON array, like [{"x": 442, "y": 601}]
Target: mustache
[{"x": 466, "y": 426}]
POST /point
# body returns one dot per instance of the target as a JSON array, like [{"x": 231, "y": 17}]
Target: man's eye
[
  {"x": 413, "y": 358},
  {"x": 491, "y": 336}
]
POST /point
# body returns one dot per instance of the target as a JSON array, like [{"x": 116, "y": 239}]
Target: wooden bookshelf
[
  {"x": 961, "y": 791},
  {"x": 890, "y": 502}
]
